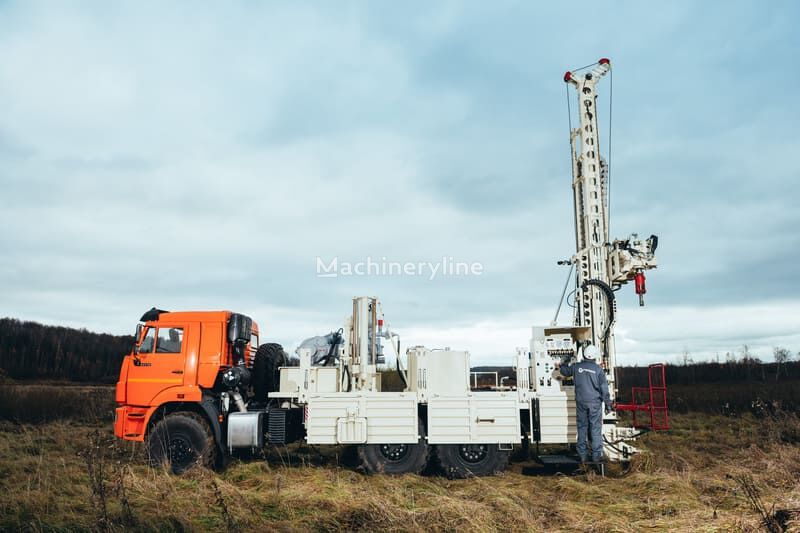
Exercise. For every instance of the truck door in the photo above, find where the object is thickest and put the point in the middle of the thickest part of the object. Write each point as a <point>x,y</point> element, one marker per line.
<point>159,364</point>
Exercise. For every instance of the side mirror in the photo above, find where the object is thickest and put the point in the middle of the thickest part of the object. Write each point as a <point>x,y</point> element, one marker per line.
<point>138,338</point>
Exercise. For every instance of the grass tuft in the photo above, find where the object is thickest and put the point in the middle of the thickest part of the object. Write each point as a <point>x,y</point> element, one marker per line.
<point>67,474</point>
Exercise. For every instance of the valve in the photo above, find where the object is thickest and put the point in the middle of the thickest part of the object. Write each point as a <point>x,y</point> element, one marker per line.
<point>641,289</point>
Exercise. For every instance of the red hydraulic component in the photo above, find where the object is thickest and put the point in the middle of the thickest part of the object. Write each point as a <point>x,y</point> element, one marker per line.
<point>651,399</point>
<point>641,289</point>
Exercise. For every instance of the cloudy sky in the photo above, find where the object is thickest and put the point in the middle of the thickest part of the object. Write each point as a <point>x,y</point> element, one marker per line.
<point>203,156</point>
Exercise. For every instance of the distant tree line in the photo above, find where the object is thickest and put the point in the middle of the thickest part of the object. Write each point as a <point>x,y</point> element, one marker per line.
<point>742,368</point>
<point>29,350</point>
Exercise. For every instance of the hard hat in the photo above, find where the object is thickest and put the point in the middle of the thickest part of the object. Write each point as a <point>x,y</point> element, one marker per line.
<point>591,352</point>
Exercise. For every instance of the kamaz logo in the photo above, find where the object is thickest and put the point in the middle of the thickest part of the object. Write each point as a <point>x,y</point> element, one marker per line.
<point>581,370</point>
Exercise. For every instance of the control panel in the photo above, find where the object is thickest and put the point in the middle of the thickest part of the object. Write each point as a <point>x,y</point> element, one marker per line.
<point>550,347</point>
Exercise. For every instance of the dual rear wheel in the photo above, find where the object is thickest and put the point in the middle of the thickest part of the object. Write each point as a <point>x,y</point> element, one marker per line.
<point>471,460</point>
<point>455,460</point>
<point>395,458</point>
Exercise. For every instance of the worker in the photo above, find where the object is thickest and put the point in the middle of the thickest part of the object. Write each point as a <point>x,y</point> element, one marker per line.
<point>175,340</point>
<point>591,392</point>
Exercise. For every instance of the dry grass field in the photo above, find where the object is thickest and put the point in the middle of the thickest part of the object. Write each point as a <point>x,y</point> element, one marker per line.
<point>709,473</point>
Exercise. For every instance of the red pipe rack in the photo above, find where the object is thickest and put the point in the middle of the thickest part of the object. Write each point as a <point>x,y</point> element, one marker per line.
<point>651,399</point>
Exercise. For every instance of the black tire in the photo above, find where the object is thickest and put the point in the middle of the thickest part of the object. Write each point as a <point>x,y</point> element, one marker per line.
<point>266,374</point>
<point>181,441</point>
<point>395,459</point>
<point>459,461</point>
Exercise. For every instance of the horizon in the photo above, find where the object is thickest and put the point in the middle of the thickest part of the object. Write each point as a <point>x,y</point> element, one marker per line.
<point>744,354</point>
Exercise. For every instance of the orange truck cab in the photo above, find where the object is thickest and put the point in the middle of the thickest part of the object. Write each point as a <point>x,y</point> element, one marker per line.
<point>187,371</point>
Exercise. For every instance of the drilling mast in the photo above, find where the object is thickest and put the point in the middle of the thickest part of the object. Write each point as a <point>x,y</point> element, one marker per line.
<point>590,196</point>
<point>601,266</point>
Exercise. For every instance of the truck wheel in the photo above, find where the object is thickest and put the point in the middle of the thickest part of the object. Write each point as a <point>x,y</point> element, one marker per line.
<point>266,376</point>
<point>467,460</point>
<point>395,458</point>
<point>181,440</point>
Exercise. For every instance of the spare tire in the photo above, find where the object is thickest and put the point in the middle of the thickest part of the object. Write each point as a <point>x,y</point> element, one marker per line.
<point>266,369</point>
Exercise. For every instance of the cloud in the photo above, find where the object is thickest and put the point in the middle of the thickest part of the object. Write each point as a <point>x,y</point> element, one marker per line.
<point>205,157</point>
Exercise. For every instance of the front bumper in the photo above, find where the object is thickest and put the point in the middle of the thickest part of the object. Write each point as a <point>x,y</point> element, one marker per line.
<point>130,423</point>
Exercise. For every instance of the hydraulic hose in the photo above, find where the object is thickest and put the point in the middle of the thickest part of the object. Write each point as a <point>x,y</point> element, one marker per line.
<point>347,377</point>
<point>610,299</point>
<point>634,436</point>
<point>337,340</point>
<point>397,359</point>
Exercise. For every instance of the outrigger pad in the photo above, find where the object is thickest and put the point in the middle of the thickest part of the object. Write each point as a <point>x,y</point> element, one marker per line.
<point>558,460</point>
<point>570,461</point>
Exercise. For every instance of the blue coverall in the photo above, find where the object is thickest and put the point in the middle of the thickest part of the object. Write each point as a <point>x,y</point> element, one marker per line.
<point>591,391</point>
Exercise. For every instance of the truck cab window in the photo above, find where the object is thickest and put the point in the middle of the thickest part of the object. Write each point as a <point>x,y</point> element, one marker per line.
<point>147,341</point>
<point>170,340</point>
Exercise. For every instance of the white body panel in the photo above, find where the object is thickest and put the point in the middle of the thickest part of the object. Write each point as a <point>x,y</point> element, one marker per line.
<point>556,416</point>
<point>391,417</point>
<point>442,372</point>
<point>478,418</point>
<point>320,379</point>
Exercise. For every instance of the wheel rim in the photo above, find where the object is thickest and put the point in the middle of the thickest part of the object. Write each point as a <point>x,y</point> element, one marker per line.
<point>394,452</point>
<point>180,450</point>
<point>473,453</point>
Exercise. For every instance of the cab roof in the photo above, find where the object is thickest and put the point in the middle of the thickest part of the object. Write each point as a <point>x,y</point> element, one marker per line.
<point>159,315</point>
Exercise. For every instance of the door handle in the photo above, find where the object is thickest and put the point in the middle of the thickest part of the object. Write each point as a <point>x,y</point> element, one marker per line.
<point>177,371</point>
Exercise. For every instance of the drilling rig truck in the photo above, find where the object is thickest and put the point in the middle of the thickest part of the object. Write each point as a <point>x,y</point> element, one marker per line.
<point>198,386</point>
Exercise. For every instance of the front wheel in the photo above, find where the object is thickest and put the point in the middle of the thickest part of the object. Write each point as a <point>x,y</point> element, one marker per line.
<point>395,458</point>
<point>181,441</point>
<point>467,460</point>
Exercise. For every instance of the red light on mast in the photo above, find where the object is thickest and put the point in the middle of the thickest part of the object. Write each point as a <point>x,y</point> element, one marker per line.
<point>605,61</point>
<point>567,76</point>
